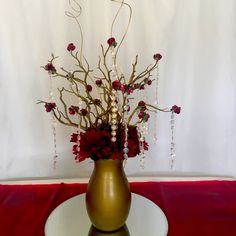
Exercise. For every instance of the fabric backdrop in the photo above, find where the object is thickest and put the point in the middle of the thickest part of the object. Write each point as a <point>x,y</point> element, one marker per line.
<point>197,72</point>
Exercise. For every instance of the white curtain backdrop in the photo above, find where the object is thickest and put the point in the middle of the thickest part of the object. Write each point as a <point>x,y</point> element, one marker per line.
<point>197,40</point>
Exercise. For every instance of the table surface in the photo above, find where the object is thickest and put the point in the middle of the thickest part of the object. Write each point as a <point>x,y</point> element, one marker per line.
<point>71,219</point>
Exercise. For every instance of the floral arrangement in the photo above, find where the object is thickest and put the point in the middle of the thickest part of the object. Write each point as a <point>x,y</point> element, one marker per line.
<point>109,123</point>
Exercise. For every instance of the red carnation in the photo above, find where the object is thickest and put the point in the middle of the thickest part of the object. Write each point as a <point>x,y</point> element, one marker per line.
<point>112,42</point>
<point>71,47</point>
<point>176,109</point>
<point>89,88</point>
<point>50,106</point>
<point>98,82</point>
<point>74,138</point>
<point>157,56</point>
<point>116,85</point>
<point>50,68</point>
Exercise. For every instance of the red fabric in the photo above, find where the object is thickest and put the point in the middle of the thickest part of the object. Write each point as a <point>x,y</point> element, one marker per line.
<point>202,208</point>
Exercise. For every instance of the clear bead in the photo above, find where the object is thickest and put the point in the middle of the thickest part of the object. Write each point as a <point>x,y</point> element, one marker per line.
<point>113,121</point>
<point>113,139</point>
<point>113,127</point>
<point>114,109</point>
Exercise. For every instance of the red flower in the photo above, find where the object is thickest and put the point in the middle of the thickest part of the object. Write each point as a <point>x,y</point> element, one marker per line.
<point>50,106</point>
<point>148,81</point>
<point>142,87</point>
<point>73,110</point>
<point>50,68</point>
<point>98,82</point>
<point>116,84</point>
<point>143,116</point>
<point>130,89</point>
<point>71,47</point>
<point>89,88</point>
<point>97,102</point>
<point>93,142</point>
<point>74,138</point>
<point>84,112</point>
<point>112,42</point>
<point>107,152</point>
<point>141,104</point>
<point>75,149</point>
<point>145,145</point>
<point>123,88</point>
<point>157,56</point>
<point>176,109</point>
<point>96,144</point>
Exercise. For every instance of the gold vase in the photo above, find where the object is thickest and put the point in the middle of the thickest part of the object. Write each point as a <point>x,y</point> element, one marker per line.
<point>108,195</point>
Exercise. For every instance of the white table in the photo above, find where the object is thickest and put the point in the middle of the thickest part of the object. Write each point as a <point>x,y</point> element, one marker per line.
<point>70,218</point>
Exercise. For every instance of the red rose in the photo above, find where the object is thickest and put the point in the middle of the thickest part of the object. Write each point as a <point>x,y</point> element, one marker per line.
<point>130,89</point>
<point>93,142</point>
<point>97,102</point>
<point>50,106</point>
<point>89,88</point>
<point>123,88</point>
<point>116,85</point>
<point>143,116</point>
<point>142,87</point>
<point>157,56</point>
<point>141,104</point>
<point>106,152</point>
<point>50,68</point>
<point>98,82</point>
<point>71,47</point>
<point>112,42</point>
<point>73,110</point>
<point>148,81</point>
<point>84,112</point>
<point>176,109</point>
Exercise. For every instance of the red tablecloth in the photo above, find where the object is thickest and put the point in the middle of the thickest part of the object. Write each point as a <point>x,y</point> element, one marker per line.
<point>193,208</point>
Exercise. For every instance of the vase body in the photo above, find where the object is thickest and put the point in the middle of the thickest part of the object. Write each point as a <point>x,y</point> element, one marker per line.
<point>108,195</point>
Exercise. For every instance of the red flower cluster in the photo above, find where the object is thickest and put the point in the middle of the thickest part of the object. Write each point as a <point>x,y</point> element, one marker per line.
<point>89,88</point>
<point>49,106</point>
<point>96,144</point>
<point>73,110</point>
<point>176,109</point>
<point>112,42</point>
<point>98,82</point>
<point>125,88</point>
<point>157,56</point>
<point>50,68</point>
<point>71,47</point>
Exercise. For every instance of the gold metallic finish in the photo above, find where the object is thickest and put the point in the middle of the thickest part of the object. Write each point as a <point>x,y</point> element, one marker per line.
<point>108,195</point>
